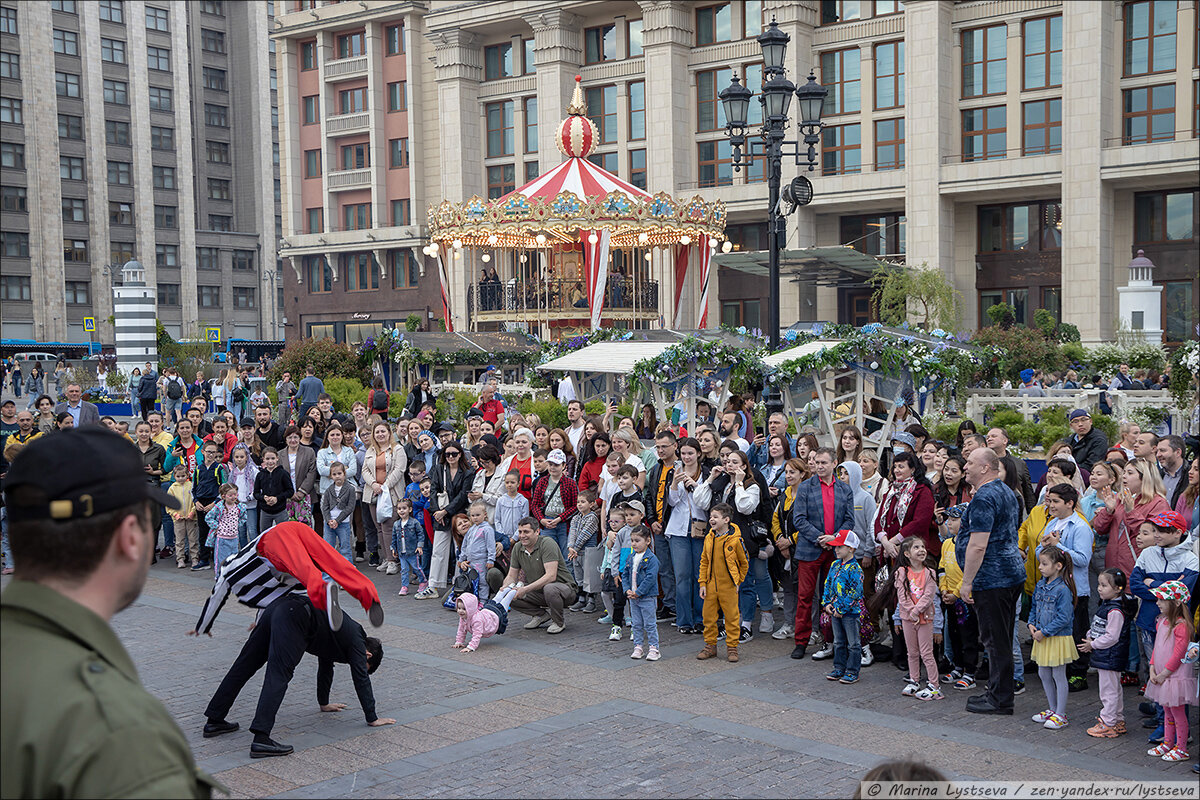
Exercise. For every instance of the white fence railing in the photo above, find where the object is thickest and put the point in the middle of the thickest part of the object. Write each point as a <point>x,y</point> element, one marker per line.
<point>1123,403</point>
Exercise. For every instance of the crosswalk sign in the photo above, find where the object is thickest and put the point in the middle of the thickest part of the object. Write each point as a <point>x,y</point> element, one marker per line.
<point>89,324</point>
<point>212,334</point>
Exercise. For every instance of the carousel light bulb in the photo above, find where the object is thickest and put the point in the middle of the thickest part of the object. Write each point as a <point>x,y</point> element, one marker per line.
<point>712,244</point>
<point>524,258</point>
<point>457,244</point>
<point>725,248</point>
<point>685,240</point>
<point>485,258</point>
<point>593,238</point>
<point>426,250</point>
<point>492,240</point>
<point>540,239</point>
<point>647,256</point>
<point>433,248</point>
<point>643,238</point>
<point>458,253</point>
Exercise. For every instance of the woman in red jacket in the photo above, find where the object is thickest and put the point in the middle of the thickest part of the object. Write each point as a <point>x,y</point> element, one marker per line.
<point>907,509</point>
<point>1141,497</point>
<point>595,453</point>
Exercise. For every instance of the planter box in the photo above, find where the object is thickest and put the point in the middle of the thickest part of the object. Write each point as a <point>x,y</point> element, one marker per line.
<point>117,409</point>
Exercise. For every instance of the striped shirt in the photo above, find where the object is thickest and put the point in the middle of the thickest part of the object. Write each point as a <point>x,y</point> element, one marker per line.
<point>253,581</point>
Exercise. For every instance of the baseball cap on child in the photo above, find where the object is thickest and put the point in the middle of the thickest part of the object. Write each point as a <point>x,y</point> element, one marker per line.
<point>556,456</point>
<point>847,538</point>
<point>637,506</point>
<point>1172,590</point>
<point>957,511</point>
<point>1168,519</point>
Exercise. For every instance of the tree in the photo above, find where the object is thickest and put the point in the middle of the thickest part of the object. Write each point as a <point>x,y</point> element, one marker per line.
<point>922,293</point>
<point>1002,315</point>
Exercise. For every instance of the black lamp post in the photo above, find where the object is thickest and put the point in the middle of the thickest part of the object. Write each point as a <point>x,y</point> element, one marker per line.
<point>776,99</point>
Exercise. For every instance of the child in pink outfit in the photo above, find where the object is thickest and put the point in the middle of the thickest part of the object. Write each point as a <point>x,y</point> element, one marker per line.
<point>483,621</point>
<point>916,591</point>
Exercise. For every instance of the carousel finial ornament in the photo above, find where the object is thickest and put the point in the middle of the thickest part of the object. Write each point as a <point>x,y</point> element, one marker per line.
<point>576,136</point>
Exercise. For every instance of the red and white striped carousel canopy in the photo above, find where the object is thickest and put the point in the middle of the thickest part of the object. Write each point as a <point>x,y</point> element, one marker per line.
<point>580,177</point>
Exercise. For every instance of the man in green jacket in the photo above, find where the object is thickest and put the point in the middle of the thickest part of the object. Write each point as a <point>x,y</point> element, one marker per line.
<point>76,720</point>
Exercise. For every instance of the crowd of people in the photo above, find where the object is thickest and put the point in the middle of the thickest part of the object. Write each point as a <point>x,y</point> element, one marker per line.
<point>889,545</point>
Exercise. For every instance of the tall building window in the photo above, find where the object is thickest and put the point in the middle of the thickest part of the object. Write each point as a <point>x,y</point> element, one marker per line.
<point>77,292</point>
<point>69,126</point>
<point>983,58</point>
<point>117,92</point>
<point>164,177</point>
<point>14,287</point>
<point>710,114</point>
<point>312,110</point>
<point>168,294</point>
<point>841,149</point>
<point>308,55</point>
<point>218,189</point>
<point>352,101</point>
<point>66,43</point>
<point>166,217</point>
<point>351,45</point>
<point>889,75</point>
<point>116,132</point>
<point>1162,217</point>
<point>984,134</point>
<point>65,6</point>
<point>158,19</point>
<point>74,209</point>
<point>605,161</point>
<point>214,7</point>
<point>217,152</point>
<point>362,272</point>
<point>220,222</point>
<point>12,155</point>
<point>243,297</point>
<point>70,168</point>
<point>398,96</point>
<point>531,170</point>
<point>161,99</point>
<point>401,212</point>
<point>1150,27</point>
<point>637,110</point>
<point>212,41</point>
<point>158,58</point>
<point>208,258</point>
<point>356,156</point>
<point>752,19</point>
<point>112,51</point>
<point>841,72</point>
<point>1041,42</point>
<point>14,244</point>
<point>216,116</point>
<point>16,199</point>
<point>633,38</point>
<point>166,255</point>
<point>600,44</point>
<point>1149,114</point>
<point>112,11</point>
<point>75,250</point>
<point>499,128</point>
<point>637,168</point>
<point>397,153</point>
<point>357,217</point>
<point>602,110</point>
<point>215,79</point>
<point>528,57</point>
<point>531,124</point>
<point>120,213</point>
<point>315,217</point>
<point>889,144</point>
<point>497,61</point>
<point>8,20</point>
<point>404,268</point>
<point>209,296</point>
<point>318,275</point>
<point>1028,227</point>
<point>501,180</point>
<point>10,66</point>
<point>312,163</point>
<point>713,24</point>
<point>67,85</point>
<point>714,163</point>
<point>162,138</point>
<point>393,36</point>
<point>1041,127</point>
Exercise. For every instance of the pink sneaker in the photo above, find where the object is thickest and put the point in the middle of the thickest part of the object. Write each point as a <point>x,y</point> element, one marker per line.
<point>637,652</point>
<point>403,591</point>
<point>421,587</point>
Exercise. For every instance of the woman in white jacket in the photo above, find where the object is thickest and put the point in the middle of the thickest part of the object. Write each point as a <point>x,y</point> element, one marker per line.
<point>489,480</point>
<point>336,450</point>
<point>685,548</point>
<point>383,469</point>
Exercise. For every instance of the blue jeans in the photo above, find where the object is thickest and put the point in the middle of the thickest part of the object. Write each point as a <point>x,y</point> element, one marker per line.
<point>645,626</point>
<point>559,534</point>
<point>755,591</point>
<point>666,573</point>
<point>223,550</point>
<point>847,650</point>
<point>341,538</point>
<point>8,557</point>
<point>1018,659</point>
<point>410,565</point>
<point>251,532</point>
<point>685,560</point>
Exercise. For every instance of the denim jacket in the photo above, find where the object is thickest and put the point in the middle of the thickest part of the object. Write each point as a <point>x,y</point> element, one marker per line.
<point>407,536</point>
<point>1052,612</point>
<point>647,584</point>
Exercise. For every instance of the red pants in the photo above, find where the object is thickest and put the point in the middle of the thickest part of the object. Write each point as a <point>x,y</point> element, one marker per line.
<point>296,549</point>
<point>810,576</point>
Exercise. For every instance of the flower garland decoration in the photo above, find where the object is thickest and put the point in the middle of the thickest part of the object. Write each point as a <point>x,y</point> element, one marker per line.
<point>745,363</point>
<point>391,345</point>
<point>552,350</point>
<point>1185,366</point>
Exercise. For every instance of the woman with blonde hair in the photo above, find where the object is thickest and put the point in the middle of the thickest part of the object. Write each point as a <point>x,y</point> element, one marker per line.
<point>384,463</point>
<point>1141,497</point>
<point>625,443</point>
<point>235,392</point>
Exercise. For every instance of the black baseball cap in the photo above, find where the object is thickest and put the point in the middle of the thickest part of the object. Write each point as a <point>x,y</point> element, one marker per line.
<point>78,473</point>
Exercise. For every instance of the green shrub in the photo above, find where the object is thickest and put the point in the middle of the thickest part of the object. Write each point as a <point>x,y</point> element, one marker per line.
<point>452,407</point>
<point>329,360</point>
<point>1053,433</point>
<point>1026,435</point>
<point>1003,417</point>
<point>946,431</point>
<point>552,413</point>
<point>594,408</point>
<point>1106,358</point>
<point>344,391</point>
<point>1020,347</point>
<point>1002,315</point>
<point>1074,353</point>
<point>1111,428</point>
<point>1054,415</point>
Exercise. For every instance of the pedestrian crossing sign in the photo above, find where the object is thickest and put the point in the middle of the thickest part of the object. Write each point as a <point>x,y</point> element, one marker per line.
<point>89,324</point>
<point>212,334</point>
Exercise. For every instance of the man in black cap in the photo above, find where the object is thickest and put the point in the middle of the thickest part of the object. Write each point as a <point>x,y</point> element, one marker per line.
<point>76,721</point>
<point>1088,443</point>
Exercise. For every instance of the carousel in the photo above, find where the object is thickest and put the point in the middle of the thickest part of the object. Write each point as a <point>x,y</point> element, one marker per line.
<point>575,249</point>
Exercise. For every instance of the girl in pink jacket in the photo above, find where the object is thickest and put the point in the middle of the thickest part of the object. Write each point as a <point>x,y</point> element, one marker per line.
<point>482,621</point>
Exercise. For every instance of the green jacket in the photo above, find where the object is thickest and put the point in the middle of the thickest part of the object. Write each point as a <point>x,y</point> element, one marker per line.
<point>76,721</point>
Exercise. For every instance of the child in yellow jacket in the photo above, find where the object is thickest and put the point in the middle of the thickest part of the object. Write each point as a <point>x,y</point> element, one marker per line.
<point>962,629</point>
<point>187,531</point>
<point>723,566</point>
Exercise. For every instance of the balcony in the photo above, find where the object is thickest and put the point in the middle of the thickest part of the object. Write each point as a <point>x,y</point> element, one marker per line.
<point>527,301</point>
<point>344,124</point>
<point>345,69</point>
<point>344,180</point>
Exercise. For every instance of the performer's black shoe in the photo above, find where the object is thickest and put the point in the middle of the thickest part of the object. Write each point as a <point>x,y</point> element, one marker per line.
<point>375,614</point>
<point>218,727</point>
<point>332,607</point>
<point>266,747</point>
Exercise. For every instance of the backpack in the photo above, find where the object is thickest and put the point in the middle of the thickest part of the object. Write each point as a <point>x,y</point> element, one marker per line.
<point>239,394</point>
<point>174,388</point>
<point>379,400</point>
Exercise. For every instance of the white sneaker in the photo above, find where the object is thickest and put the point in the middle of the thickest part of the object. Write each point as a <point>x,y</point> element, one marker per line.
<point>777,600</point>
<point>615,634</point>
<point>825,652</point>
<point>784,632</point>
<point>1055,723</point>
<point>637,652</point>
<point>868,658</point>
<point>911,688</point>
<point>766,624</point>
<point>653,655</point>
<point>383,565</point>
<point>392,568</point>
<point>930,692</point>
<point>1042,716</point>
<point>556,628</point>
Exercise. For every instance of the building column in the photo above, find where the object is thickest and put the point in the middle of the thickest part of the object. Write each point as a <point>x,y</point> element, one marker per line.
<point>189,321</point>
<point>1089,32</point>
<point>98,227</point>
<point>139,99</point>
<point>423,154</point>
<point>930,109</point>
<point>457,70</point>
<point>558,55</point>
<point>290,167</point>
<point>667,36</point>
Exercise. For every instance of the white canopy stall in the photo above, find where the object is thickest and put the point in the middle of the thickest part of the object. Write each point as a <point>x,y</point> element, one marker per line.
<point>596,372</point>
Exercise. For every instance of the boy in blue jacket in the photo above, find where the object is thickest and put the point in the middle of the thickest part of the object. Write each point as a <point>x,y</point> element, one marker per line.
<point>843,601</point>
<point>639,578</point>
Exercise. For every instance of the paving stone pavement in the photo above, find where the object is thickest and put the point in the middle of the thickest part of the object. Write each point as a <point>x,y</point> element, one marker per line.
<point>572,715</point>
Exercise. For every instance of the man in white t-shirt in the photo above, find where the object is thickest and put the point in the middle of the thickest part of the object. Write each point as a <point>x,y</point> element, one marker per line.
<point>575,417</point>
<point>730,424</point>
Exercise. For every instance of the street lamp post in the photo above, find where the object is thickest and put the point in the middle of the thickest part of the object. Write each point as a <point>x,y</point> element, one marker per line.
<point>772,146</point>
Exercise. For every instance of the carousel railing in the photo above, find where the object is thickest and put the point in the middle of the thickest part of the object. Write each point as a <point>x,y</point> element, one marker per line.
<point>560,297</point>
